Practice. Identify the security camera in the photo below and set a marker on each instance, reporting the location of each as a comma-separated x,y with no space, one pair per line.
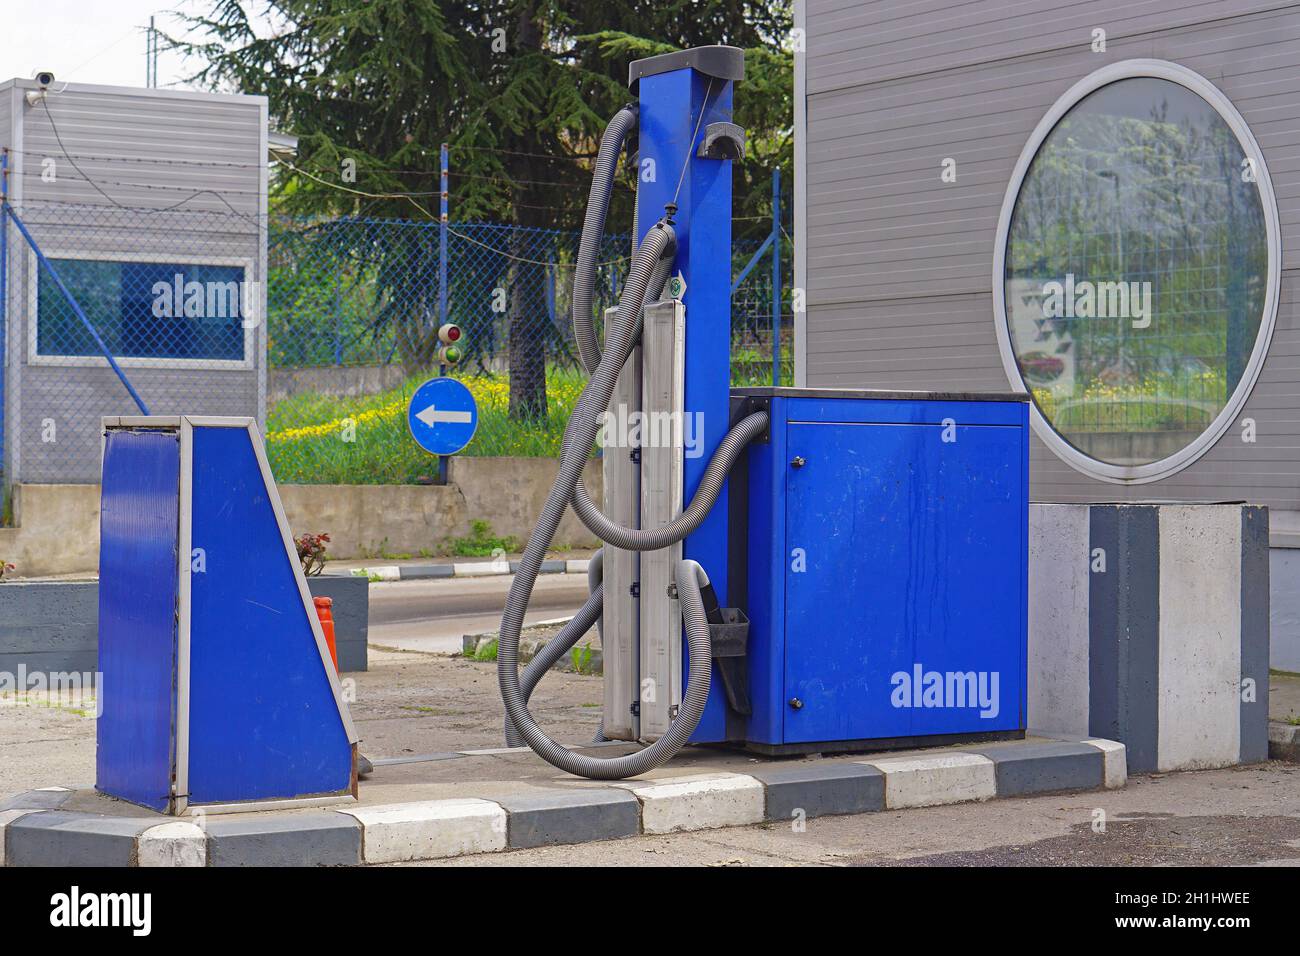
44,79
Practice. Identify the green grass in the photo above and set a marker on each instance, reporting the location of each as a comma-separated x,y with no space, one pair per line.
316,439
312,439
482,543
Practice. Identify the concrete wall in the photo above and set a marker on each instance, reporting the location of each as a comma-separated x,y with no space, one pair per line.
56,530
57,526
1149,624
367,520
339,381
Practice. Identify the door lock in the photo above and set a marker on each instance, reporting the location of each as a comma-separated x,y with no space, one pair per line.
798,461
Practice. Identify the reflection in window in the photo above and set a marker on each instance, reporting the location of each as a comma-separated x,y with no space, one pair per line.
1136,270
154,310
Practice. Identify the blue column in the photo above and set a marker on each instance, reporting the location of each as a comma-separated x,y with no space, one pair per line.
678,101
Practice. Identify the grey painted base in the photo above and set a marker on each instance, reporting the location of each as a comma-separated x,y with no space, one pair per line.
52,627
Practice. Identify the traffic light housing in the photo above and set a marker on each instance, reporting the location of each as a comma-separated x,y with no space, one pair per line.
450,352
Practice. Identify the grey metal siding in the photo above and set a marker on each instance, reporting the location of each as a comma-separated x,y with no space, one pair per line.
899,265
147,150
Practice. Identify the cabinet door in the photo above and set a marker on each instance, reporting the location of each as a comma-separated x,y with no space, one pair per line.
905,592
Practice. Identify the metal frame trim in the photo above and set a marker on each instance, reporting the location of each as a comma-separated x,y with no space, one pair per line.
801,195
184,551
1218,100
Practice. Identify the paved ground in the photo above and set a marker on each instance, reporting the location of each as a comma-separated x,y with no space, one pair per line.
413,703
407,703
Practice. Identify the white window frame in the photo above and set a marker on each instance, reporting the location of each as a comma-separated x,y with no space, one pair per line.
98,361
1207,91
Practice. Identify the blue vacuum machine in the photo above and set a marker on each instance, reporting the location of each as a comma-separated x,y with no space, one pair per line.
871,546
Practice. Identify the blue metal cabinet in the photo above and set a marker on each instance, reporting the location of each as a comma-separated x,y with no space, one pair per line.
885,554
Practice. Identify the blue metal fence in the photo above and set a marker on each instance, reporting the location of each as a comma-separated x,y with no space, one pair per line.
352,311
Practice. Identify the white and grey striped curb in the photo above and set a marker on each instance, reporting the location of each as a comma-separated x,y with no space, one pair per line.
36,831
458,569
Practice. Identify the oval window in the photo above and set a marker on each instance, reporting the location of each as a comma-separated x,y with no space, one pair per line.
1137,266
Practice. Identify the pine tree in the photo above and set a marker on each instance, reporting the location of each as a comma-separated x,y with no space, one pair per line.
520,89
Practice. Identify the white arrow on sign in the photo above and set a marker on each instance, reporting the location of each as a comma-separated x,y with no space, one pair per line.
431,416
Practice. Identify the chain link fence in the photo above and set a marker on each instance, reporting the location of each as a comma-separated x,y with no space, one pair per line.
350,309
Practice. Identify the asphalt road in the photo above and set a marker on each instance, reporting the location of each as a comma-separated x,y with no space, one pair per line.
432,616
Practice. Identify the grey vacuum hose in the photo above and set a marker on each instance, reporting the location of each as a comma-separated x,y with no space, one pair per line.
649,269
652,539
593,230
579,436
569,635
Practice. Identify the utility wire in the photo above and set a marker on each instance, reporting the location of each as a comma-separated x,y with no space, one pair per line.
68,156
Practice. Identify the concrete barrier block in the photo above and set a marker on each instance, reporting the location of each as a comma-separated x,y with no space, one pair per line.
295,839
821,788
1026,768
571,816
1058,633
1175,612
61,838
478,569
430,829
1199,719
576,566
7,817
936,780
426,571
698,803
179,843
1116,761
351,609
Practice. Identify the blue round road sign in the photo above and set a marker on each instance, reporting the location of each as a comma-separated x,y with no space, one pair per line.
442,416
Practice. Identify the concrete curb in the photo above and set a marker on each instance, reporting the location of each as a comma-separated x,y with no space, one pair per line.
457,569
35,831
1283,741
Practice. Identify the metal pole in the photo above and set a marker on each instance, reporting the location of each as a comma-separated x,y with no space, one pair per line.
77,310
776,276
4,311
442,240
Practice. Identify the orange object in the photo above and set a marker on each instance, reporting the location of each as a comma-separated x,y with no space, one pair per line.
324,611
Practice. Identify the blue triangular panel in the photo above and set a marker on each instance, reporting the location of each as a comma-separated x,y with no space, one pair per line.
264,719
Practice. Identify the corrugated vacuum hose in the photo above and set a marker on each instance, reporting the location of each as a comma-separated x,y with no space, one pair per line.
646,275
